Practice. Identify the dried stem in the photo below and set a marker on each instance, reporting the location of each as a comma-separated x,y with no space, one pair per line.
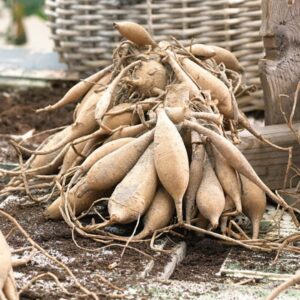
291,281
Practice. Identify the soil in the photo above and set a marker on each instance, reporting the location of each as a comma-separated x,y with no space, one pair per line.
203,260
204,257
18,116
56,237
17,110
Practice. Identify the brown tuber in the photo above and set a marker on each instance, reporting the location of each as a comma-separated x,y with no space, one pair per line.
171,160
210,196
135,33
253,203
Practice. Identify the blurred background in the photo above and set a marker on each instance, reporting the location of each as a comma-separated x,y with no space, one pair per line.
78,37
23,23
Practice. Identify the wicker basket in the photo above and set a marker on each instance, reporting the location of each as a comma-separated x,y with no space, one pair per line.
84,36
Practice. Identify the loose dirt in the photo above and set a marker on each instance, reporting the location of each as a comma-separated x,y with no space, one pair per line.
17,110
203,260
18,116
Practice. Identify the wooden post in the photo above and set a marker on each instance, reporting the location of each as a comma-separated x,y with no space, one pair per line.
280,69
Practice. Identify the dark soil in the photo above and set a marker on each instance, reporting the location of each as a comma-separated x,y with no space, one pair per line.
18,116
203,260
56,237
17,110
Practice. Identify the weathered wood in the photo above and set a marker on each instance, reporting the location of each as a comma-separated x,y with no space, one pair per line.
270,163
280,69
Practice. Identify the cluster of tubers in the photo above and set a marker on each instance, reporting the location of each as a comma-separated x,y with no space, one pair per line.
154,135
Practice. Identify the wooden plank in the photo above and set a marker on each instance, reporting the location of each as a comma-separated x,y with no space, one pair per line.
280,69
181,289
19,64
270,163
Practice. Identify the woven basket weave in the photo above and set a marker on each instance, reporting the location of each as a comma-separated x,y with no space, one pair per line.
84,36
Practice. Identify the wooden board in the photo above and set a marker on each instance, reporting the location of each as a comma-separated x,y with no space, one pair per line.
270,163
280,69
180,289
